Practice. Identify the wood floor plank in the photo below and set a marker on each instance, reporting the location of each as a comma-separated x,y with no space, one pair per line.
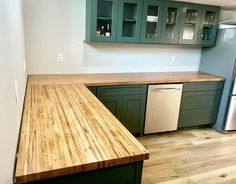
198,156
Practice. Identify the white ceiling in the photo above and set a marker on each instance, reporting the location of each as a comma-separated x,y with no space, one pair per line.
225,4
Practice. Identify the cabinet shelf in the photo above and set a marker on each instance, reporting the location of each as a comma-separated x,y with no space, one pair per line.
104,18
130,20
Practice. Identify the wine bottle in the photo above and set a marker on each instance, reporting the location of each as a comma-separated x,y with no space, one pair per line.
108,32
103,32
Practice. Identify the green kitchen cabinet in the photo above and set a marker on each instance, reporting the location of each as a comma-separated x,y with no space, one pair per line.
189,27
113,104
101,20
93,89
172,12
133,110
200,103
127,103
151,21
129,21
208,26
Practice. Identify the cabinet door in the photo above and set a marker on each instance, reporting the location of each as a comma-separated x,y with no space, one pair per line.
189,29
103,20
151,21
93,89
133,110
129,20
113,104
208,26
171,22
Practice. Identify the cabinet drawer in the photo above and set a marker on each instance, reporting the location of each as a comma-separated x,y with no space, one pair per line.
200,99
121,90
203,86
197,117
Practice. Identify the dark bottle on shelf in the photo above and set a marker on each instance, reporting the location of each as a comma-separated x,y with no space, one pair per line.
103,32
108,32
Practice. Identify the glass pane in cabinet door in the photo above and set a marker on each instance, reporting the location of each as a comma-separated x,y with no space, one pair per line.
208,25
190,24
129,20
104,18
152,22
171,23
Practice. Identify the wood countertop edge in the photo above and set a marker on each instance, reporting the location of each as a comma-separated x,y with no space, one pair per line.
105,164
152,82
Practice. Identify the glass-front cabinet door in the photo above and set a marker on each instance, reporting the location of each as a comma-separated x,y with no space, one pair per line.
208,26
189,28
129,20
103,19
171,22
151,21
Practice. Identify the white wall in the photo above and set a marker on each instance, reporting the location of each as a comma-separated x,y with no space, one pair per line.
58,26
11,69
227,15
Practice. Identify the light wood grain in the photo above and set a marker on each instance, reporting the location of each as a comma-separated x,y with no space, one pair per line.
199,156
66,130
124,78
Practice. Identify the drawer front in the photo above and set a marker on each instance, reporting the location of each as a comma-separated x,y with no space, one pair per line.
198,117
121,90
202,86
200,99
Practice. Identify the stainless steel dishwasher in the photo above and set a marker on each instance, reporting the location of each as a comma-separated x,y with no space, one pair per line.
163,104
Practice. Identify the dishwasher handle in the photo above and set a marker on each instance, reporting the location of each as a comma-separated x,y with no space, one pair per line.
165,89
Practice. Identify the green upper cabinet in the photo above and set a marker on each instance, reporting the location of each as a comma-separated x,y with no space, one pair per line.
171,22
208,26
151,21
101,22
129,21
189,27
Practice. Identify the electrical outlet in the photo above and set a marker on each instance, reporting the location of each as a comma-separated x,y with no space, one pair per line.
16,91
60,58
173,60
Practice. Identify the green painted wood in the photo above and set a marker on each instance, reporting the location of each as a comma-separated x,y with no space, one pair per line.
200,99
127,103
198,9
113,104
124,174
92,7
203,86
93,89
133,111
211,42
121,90
200,103
197,117
129,21
164,37
159,5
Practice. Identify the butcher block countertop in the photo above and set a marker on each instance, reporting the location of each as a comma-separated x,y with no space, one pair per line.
124,78
66,130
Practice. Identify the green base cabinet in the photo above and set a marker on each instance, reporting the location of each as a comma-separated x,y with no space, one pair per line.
200,103
93,89
127,103
124,174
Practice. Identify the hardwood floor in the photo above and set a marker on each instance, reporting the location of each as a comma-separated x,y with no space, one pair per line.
199,156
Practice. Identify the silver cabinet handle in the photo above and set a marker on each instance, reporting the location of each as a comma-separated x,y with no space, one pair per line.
166,89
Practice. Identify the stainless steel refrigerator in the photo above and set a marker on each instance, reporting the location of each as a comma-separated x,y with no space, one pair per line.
220,60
